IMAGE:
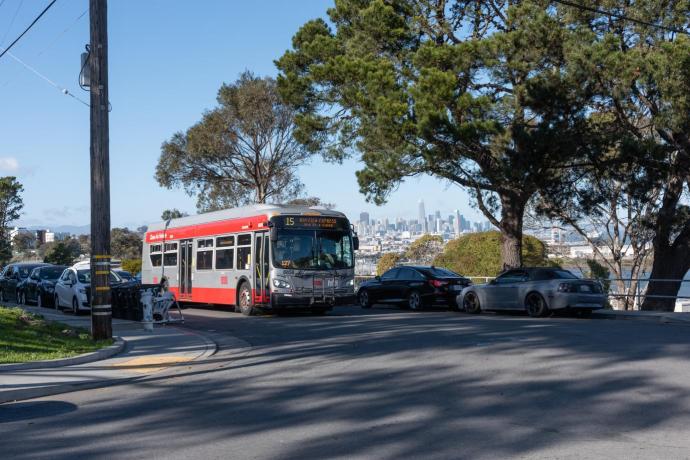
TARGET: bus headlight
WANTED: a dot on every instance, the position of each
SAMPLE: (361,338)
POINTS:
(350,282)
(280,283)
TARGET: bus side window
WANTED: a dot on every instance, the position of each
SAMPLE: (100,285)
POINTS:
(244,252)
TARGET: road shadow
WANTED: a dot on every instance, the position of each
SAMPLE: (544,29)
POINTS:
(392,384)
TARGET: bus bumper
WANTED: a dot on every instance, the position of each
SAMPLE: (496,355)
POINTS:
(284,301)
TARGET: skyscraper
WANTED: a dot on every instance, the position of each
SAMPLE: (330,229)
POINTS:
(457,222)
(364,218)
(422,216)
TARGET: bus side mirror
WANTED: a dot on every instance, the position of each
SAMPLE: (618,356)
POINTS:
(274,234)
(355,242)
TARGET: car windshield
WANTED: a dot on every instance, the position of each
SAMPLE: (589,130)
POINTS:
(312,250)
(125,275)
(24,272)
(50,273)
(84,276)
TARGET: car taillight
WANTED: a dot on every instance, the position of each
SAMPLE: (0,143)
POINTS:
(437,283)
(566,287)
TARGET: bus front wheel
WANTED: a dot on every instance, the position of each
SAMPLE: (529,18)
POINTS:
(245,300)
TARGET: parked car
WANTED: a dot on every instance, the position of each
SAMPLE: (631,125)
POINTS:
(413,286)
(536,290)
(72,289)
(12,275)
(39,286)
(125,275)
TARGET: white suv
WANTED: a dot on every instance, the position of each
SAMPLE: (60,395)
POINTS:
(72,289)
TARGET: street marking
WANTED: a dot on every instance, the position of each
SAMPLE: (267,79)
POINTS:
(151,364)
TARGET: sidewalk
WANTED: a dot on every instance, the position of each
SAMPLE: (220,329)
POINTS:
(143,354)
(650,316)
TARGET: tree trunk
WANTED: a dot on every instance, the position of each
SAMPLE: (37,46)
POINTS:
(669,264)
(512,214)
(671,256)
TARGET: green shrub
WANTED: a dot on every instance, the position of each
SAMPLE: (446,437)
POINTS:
(131,265)
(386,262)
(479,254)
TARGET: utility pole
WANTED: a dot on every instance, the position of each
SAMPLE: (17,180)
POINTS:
(101,311)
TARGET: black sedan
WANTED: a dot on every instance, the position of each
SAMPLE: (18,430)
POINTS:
(39,287)
(414,287)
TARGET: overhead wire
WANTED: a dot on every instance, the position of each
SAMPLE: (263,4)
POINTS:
(4,36)
(61,88)
(61,34)
(28,28)
(623,17)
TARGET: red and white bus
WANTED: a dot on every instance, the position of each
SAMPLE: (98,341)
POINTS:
(260,256)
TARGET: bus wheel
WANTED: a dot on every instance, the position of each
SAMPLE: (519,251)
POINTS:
(245,300)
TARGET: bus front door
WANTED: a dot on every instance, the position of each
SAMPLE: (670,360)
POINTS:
(185,275)
(261,267)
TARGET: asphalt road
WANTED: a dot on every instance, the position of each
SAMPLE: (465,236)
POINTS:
(386,384)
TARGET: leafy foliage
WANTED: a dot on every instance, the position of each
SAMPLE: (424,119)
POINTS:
(241,152)
(310,201)
(386,262)
(479,254)
(125,244)
(477,93)
(11,204)
(599,272)
(424,249)
(132,265)
(24,241)
(62,252)
(171,214)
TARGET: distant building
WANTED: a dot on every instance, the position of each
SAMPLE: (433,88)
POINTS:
(422,216)
(364,218)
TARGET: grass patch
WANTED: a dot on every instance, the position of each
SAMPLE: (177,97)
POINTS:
(28,337)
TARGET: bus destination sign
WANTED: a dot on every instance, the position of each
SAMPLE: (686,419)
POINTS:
(314,222)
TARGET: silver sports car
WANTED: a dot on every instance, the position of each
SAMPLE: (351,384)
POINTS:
(535,290)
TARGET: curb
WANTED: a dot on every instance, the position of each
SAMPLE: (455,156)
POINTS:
(211,347)
(103,353)
(663,318)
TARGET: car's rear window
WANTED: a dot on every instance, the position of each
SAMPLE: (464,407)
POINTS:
(439,272)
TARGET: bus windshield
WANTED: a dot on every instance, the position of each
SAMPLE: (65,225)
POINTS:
(313,250)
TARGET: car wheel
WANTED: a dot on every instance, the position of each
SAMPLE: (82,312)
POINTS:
(319,311)
(471,303)
(536,305)
(75,306)
(245,299)
(414,300)
(363,299)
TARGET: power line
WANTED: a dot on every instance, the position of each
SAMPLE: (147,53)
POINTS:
(60,35)
(61,88)
(19,7)
(620,16)
(28,28)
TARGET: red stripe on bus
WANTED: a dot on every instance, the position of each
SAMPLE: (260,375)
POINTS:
(244,224)
(218,296)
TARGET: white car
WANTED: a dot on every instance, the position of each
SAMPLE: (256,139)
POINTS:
(72,289)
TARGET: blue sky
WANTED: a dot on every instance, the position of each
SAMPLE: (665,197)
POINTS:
(167,61)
